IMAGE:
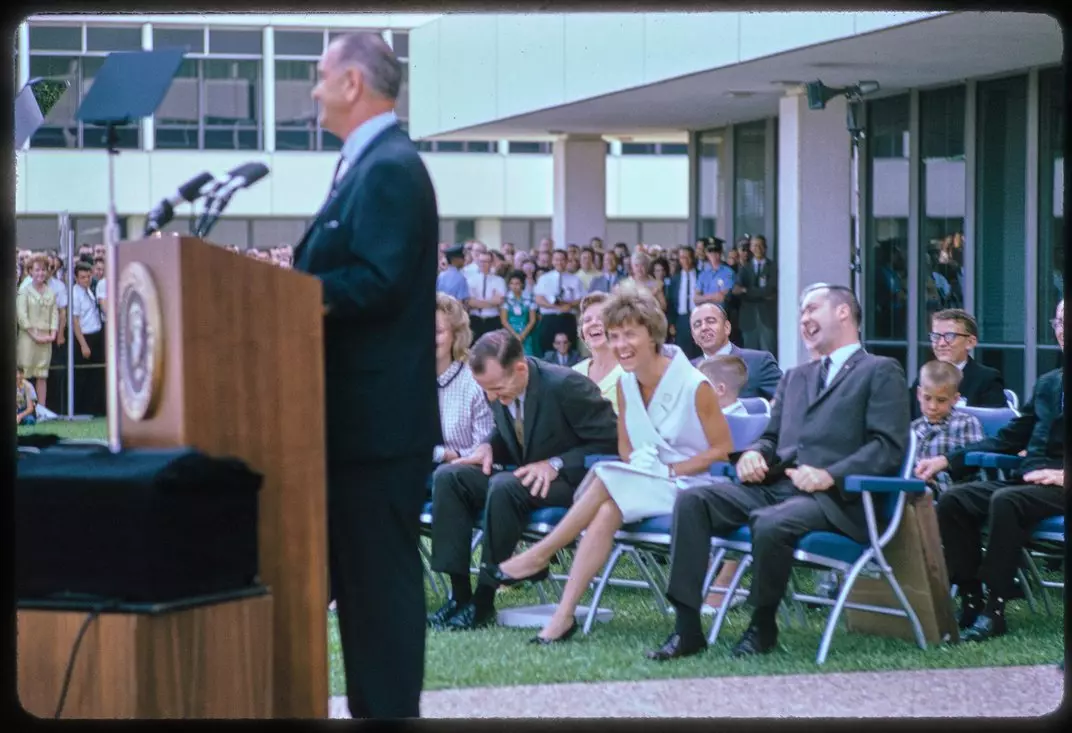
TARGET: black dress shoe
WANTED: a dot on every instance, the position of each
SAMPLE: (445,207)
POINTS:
(470,617)
(753,643)
(677,646)
(446,612)
(565,637)
(967,614)
(495,573)
(985,627)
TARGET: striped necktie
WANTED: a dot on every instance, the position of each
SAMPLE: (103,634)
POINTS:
(519,424)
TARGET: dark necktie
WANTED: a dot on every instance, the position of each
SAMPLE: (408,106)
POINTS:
(824,372)
(559,297)
(484,290)
(519,426)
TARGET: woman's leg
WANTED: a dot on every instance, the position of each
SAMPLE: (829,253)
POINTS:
(725,575)
(577,518)
(42,390)
(592,554)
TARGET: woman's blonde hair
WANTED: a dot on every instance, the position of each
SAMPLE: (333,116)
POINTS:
(632,303)
(37,259)
(587,302)
(458,322)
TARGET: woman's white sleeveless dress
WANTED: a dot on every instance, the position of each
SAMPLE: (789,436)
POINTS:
(667,430)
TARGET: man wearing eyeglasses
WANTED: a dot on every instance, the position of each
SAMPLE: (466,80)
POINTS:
(954,334)
(1008,508)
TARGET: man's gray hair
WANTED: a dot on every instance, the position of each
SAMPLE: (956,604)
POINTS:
(378,64)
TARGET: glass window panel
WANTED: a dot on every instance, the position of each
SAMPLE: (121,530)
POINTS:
(1048,359)
(328,141)
(37,232)
(294,82)
(1051,254)
(179,137)
(477,146)
(292,139)
(110,38)
(231,92)
(425,146)
(60,130)
(402,103)
(192,39)
(1000,210)
(299,43)
(181,104)
(887,219)
(710,148)
(942,194)
(55,38)
(520,146)
(1009,361)
(450,146)
(894,351)
(400,41)
(638,149)
(239,42)
(232,138)
(464,229)
(674,149)
(750,179)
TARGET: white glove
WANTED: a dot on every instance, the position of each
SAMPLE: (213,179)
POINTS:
(646,459)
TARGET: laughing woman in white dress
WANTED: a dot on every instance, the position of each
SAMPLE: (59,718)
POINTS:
(670,430)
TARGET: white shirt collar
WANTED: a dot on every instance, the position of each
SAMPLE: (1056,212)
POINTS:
(726,350)
(838,358)
(961,365)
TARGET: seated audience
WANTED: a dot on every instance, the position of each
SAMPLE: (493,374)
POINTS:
(563,352)
(464,413)
(954,334)
(845,414)
(670,431)
(548,420)
(711,332)
(602,367)
(728,375)
(942,428)
(1007,508)
(25,402)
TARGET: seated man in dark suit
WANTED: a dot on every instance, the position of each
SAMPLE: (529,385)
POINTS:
(563,354)
(1010,508)
(833,417)
(954,334)
(548,419)
(711,330)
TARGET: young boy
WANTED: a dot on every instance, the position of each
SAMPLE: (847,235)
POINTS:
(729,375)
(942,428)
(25,402)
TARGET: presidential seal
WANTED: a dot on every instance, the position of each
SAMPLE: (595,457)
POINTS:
(140,336)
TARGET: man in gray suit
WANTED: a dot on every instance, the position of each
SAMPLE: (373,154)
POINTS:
(757,290)
(711,331)
(548,419)
(843,414)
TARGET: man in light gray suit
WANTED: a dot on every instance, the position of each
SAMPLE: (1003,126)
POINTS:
(843,414)
(757,289)
(711,331)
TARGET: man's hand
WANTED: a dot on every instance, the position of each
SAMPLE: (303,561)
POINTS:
(449,456)
(537,477)
(928,468)
(480,457)
(1046,477)
(60,340)
(751,467)
(738,289)
(810,479)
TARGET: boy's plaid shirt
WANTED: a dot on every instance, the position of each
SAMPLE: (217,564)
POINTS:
(955,431)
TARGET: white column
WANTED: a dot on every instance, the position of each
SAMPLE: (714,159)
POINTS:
(148,125)
(24,63)
(580,189)
(268,89)
(814,199)
(489,231)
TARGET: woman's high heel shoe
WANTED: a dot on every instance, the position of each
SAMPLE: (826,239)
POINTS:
(565,637)
(502,578)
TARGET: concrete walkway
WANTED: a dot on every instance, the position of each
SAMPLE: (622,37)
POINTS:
(980,692)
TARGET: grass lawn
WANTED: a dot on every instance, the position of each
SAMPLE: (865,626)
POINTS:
(615,651)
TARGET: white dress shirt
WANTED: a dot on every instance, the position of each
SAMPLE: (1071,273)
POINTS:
(85,310)
(837,360)
(686,293)
(724,351)
(485,287)
(549,285)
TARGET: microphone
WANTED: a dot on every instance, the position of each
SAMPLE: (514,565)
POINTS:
(165,210)
(241,177)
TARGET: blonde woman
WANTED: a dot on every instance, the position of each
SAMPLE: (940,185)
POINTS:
(602,367)
(670,431)
(38,324)
(464,413)
(640,269)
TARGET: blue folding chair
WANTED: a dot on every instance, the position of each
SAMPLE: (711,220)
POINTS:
(756,405)
(993,419)
(1012,400)
(836,552)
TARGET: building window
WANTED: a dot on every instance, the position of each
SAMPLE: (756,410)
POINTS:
(110,38)
(709,150)
(235,42)
(296,123)
(750,180)
(45,38)
(299,43)
(1000,225)
(886,229)
(190,39)
(638,149)
(400,43)
(458,146)
(518,146)
(1051,253)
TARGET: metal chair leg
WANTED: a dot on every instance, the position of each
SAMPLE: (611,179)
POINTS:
(731,591)
(1036,575)
(601,585)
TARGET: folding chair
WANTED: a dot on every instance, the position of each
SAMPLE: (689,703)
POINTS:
(836,552)
(1047,541)
(1012,400)
(993,419)
(756,405)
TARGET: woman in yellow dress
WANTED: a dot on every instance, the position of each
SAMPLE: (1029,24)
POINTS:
(602,367)
(38,321)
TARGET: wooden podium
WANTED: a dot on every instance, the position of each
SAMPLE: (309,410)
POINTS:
(239,373)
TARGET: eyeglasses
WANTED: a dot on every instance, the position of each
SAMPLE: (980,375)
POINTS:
(1058,324)
(949,337)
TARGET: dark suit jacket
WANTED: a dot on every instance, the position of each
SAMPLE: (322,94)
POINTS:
(565,417)
(1039,430)
(763,371)
(551,357)
(759,305)
(672,292)
(859,425)
(374,246)
(980,386)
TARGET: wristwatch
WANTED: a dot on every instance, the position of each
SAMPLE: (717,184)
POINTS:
(556,463)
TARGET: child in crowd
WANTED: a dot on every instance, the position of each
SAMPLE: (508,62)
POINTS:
(729,375)
(942,428)
(25,402)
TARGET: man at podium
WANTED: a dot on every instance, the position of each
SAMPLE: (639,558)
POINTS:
(373,245)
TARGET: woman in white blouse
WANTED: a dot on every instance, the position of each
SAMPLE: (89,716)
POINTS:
(464,413)
(602,367)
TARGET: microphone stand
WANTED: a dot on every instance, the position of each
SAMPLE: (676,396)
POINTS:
(111,347)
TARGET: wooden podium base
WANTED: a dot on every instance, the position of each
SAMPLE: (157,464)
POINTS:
(211,661)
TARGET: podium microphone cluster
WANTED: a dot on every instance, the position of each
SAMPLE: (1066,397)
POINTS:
(188,192)
(220,195)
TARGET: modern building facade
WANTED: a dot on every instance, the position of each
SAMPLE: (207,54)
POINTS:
(962,165)
(243,94)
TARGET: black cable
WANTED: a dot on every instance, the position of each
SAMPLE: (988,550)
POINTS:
(74,654)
